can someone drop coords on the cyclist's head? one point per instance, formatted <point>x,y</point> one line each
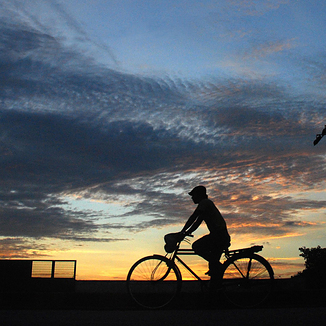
<point>198,193</point>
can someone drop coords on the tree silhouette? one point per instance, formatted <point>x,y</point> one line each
<point>315,266</point>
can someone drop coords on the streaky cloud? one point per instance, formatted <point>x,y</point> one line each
<point>71,126</point>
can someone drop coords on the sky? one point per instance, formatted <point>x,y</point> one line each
<point>112,111</point>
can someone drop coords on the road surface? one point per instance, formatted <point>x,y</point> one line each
<point>226,317</point>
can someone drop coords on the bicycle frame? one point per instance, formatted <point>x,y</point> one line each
<point>185,252</point>
<point>227,254</point>
<point>247,283</point>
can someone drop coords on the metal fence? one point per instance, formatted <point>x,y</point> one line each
<point>54,269</point>
<point>37,275</point>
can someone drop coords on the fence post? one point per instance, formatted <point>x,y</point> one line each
<point>53,267</point>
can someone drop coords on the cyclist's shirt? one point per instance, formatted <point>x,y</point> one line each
<point>208,212</point>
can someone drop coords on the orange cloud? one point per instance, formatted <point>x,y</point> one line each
<point>256,8</point>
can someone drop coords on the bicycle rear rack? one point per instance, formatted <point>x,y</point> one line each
<point>244,250</point>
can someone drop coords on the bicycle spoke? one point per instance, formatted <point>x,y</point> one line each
<point>238,268</point>
<point>248,269</point>
<point>258,271</point>
<point>152,282</point>
<point>247,280</point>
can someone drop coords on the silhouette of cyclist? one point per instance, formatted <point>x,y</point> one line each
<point>210,246</point>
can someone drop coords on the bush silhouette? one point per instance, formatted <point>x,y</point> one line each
<point>315,266</point>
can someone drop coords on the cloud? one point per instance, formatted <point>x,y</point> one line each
<point>257,8</point>
<point>20,248</point>
<point>51,18</point>
<point>69,126</point>
<point>260,51</point>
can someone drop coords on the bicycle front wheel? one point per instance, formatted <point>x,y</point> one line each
<point>247,280</point>
<point>153,281</point>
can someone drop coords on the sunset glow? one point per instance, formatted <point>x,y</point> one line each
<point>112,111</point>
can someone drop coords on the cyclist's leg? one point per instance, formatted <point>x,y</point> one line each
<point>219,244</point>
<point>216,269</point>
<point>203,246</point>
<point>209,248</point>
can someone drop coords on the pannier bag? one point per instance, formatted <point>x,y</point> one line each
<point>171,241</point>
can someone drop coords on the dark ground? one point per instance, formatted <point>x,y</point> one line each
<point>107,303</point>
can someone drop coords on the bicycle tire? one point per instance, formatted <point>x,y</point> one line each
<point>247,280</point>
<point>154,281</point>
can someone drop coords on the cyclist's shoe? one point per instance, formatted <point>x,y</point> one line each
<point>214,269</point>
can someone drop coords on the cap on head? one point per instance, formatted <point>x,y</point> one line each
<point>199,190</point>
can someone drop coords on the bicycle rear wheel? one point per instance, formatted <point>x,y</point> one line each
<point>153,281</point>
<point>247,280</point>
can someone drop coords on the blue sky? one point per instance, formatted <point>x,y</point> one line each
<point>111,111</point>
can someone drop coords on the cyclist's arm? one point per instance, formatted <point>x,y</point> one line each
<point>195,225</point>
<point>193,222</point>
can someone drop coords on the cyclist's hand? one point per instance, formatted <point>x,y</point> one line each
<point>181,236</point>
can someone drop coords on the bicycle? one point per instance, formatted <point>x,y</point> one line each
<point>154,281</point>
